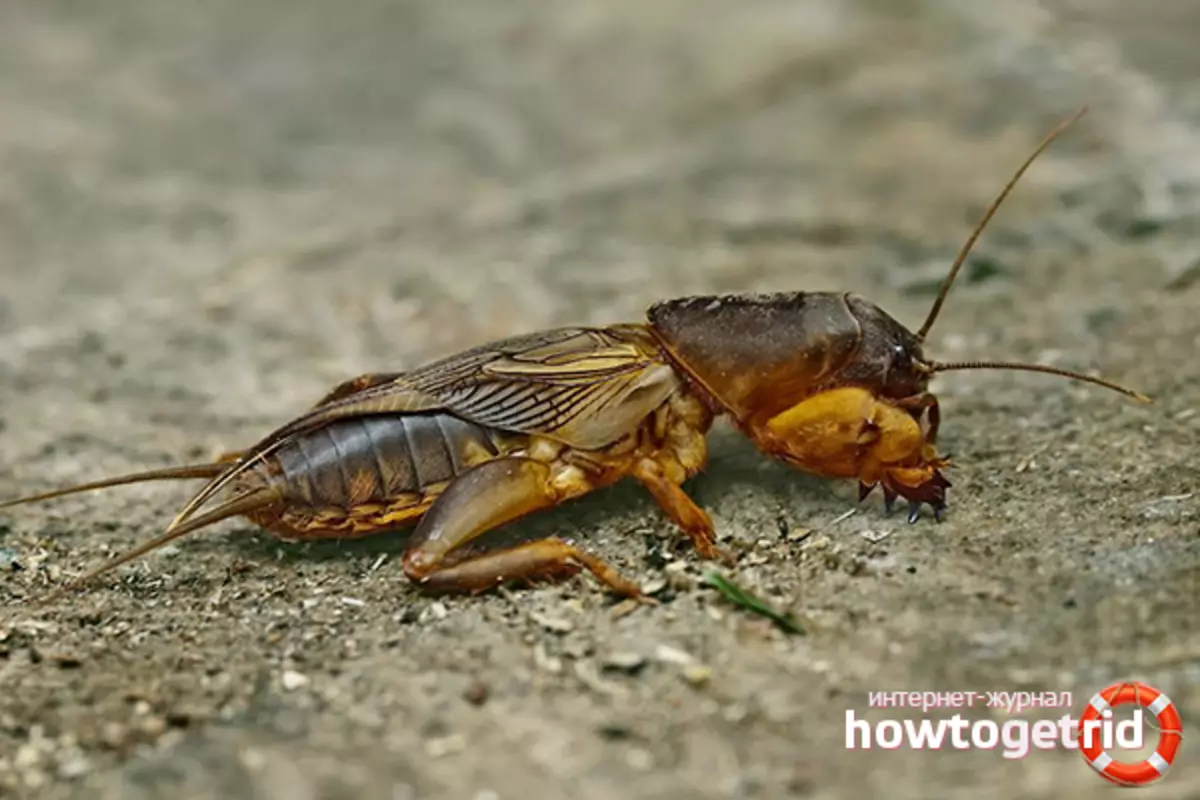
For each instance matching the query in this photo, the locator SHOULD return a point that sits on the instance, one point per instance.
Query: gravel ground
(210, 213)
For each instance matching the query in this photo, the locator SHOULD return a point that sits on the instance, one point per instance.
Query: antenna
(987, 217)
(935, 366)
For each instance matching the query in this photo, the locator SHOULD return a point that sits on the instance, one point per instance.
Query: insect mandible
(826, 382)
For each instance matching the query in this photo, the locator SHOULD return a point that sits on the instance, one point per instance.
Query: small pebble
(654, 586)
(735, 713)
(624, 661)
(434, 611)
(672, 655)
(113, 735)
(152, 727)
(680, 581)
(445, 745)
(252, 759)
(697, 674)
(477, 693)
(640, 759)
(74, 767)
(293, 680)
(66, 660)
(28, 756)
(799, 534)
(554, 624)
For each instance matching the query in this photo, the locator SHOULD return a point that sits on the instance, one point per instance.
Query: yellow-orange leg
(850, 433)
(481, 499)
(681, 509)
(545, 559)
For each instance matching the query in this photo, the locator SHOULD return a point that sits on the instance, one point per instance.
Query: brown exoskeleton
(827, 382)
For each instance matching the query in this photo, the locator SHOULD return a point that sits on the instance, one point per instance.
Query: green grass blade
(739, 596)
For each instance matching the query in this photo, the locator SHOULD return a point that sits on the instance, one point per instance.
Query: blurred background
(209, 213)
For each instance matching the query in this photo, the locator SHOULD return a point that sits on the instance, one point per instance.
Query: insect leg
(486, 497)
(545, 559)
(849, 433)
(682, 510)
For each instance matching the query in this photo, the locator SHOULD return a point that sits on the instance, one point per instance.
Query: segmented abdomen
(362, 474)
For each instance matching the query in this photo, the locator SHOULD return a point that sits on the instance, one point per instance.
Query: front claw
(931, 491)
(889, 494)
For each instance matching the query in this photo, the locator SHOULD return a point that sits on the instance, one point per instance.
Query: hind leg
(482, 499)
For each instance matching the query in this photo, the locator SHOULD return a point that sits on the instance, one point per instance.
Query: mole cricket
(826, 382)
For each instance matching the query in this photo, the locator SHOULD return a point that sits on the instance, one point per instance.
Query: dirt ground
(212, 212)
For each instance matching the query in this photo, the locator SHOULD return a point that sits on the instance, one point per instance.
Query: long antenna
(987, 217)
(935, 366)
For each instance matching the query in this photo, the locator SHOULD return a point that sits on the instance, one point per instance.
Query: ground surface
(209, 213)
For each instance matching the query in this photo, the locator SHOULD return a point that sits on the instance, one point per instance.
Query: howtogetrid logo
(1095, 733)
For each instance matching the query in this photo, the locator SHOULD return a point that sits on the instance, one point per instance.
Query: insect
(826, 382)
